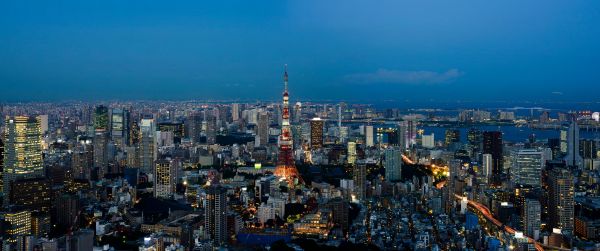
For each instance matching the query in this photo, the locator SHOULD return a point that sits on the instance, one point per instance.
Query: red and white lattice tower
(285, 166)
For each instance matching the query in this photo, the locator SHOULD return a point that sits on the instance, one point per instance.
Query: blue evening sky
(336, 50)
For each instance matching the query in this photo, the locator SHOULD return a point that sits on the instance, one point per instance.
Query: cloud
(404, 77)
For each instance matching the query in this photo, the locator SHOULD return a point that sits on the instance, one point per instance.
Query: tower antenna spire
(285, 78)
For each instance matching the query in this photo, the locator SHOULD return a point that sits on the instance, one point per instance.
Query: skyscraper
(487, 166)
(215, 214)
(101, 119)
(360, 180)
(211, 129)
(262, 129)
(316, 133)
(452, 136)
(393, 164)
(194, 127)
(561, 199)
(351, 152)
(492, 144)
(119, 127)
(22, 150)
(369, 141)
(526, 167)
(235, 111)
(573, 158)
(147, 153)
(532, 210)
(165, 177)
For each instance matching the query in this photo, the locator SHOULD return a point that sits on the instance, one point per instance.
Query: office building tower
(475, 139)
(369, 140)
(526, 167)
(452, 136)
(215, 214)
(561, 199)
(408, 132)
(101, 154)
(487, 166)
(165, 177)
(134, 133)
(573, 158)
(43, 122)
(360, 180)
(119, 127)
(68, 208)
(211, 129)
(235, 111)
(286, 167)
(20, 223)
(393, 164)
(83, 158)
(492, 144)
(193, 125)
(80, 240)
(31, 194)
(262, 129)
(316, 133)
(101, 118)
(22, 151)
(588, 149)
(532, 222)
(343, 134)
(428, 141)
(351, 152)
(148, 152)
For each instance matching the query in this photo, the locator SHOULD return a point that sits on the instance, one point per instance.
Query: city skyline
(415, 51)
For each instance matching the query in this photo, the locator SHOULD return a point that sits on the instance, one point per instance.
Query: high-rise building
(22, 151)
(492, 144)
(360, 180)
(561, 199)
(235, 111)
(532, 222)
(101, 158)
(452, 136)
(215, 214)
(173, 127)
(526, 167)
(407, 131)
(369, 141)
(487, 166)
(147, 151)
(101, 119)
(119, 127)
(67, 208)
(428, 141)
(31, 194)
(475, 139)
(165, 177)
(588, 149)
(316, 133)
(211, 129)
(194, 127)
(20, 223)
(573, 158)
(43, 123)
(351, 152)
(262, 129)
(393, 164)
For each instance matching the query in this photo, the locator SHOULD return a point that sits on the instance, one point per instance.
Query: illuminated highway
(488, 215)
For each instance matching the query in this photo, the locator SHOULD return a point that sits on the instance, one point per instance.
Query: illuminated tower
(22, 150)
(286, 167)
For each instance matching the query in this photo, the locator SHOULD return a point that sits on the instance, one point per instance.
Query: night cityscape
(280, 125)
